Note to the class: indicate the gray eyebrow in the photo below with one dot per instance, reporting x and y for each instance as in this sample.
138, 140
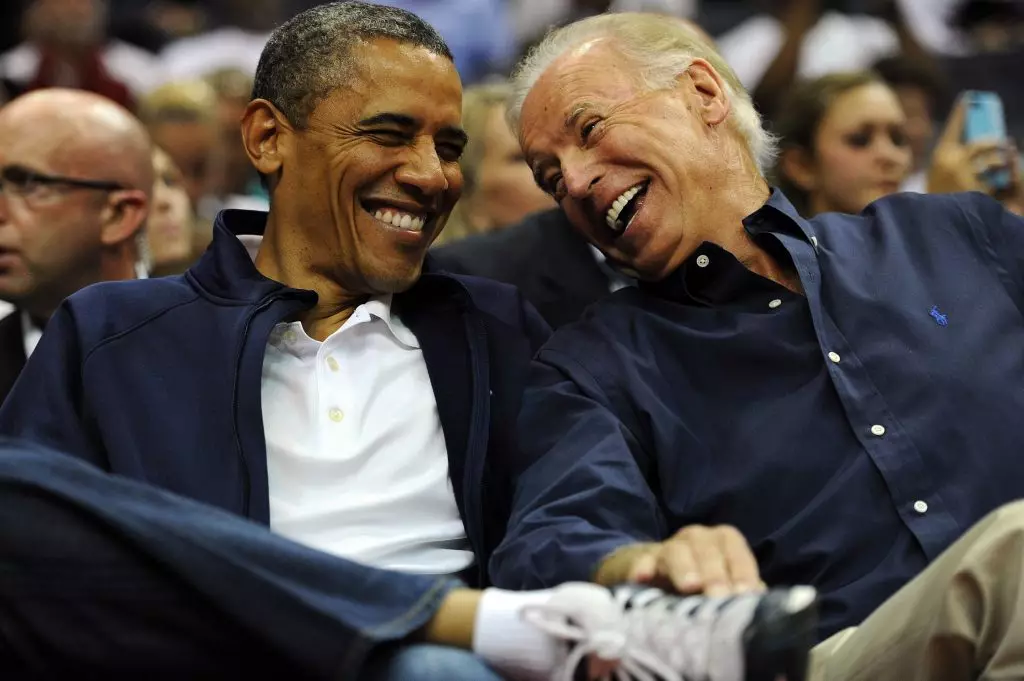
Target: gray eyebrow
575, 113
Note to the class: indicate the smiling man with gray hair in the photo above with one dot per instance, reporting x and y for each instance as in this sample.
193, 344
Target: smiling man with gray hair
833, 402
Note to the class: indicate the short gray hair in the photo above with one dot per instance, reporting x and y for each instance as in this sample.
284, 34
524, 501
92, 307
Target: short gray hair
662, 48
309, 56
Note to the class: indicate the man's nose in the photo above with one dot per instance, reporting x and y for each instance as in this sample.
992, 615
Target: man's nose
580, 177
423, 172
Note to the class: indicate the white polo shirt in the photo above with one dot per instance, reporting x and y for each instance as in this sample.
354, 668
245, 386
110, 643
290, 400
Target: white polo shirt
356, 458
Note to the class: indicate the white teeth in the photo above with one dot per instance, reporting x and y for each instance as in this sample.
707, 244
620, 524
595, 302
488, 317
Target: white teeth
612, 216
407, 221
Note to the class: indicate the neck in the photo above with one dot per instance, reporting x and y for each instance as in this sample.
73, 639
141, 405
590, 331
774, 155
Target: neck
734, 208
286, 261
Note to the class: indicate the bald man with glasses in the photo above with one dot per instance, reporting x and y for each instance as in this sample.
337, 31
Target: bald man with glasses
75, 178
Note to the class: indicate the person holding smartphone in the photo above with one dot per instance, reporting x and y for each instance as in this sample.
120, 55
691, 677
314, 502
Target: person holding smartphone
976, 155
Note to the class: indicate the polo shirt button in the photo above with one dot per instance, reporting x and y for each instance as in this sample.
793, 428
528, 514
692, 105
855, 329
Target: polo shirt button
703, 260
335, 414
834, 356
878, 430
775, 303
921, 506
814, 242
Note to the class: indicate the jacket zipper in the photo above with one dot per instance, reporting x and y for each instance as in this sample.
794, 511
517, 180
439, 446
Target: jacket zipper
479, 425
246, 471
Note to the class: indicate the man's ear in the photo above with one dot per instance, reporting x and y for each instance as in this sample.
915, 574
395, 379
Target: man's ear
124, 216
713, 101
797, 165
262, 128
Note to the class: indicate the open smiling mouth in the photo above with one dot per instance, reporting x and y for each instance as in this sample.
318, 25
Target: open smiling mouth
625, 208
399, 218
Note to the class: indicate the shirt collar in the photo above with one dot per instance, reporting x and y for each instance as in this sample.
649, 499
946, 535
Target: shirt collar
713, 275
378, 306
381, 308
30, 333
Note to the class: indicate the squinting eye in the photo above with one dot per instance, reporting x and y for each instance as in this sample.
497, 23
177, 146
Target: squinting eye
450, 152
588, 128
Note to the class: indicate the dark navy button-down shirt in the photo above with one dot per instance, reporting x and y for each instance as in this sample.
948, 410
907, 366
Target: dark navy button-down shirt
851, 433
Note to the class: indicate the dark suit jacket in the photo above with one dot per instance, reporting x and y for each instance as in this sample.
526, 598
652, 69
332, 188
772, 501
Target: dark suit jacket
543, 256
12, 352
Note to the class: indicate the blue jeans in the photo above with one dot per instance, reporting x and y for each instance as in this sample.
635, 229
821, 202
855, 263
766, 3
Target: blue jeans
427, 662
104, 577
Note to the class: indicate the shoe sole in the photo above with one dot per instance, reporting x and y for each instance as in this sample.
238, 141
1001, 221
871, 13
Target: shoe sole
780, 637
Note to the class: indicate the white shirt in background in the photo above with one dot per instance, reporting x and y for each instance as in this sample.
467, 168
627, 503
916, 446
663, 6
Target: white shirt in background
223, 48
356, 459
136, 68
838, 42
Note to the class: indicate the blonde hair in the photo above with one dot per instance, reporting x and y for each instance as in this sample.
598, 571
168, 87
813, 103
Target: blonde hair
478, 105
187, 100
661, 49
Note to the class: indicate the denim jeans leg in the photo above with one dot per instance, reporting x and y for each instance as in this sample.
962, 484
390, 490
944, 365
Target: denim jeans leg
426, 662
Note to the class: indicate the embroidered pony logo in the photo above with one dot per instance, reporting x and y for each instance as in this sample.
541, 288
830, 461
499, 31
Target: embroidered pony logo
940, 319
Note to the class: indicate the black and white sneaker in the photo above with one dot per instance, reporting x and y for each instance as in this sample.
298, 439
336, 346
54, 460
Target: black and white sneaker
660, 637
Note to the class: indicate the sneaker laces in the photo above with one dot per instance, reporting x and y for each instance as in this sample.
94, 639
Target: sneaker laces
655, 637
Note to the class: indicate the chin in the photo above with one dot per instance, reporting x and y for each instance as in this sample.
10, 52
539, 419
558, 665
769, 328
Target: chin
395, 282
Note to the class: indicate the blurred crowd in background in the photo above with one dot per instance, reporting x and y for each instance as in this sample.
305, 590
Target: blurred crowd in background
857, 89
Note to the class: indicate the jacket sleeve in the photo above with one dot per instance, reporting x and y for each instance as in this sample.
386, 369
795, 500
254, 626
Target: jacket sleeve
579, 491
47, 404
538, 331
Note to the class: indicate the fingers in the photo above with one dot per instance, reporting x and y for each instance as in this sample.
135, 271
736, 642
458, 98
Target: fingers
953, 133
740, 561
678, 565
644, 568
711, 562
994, 148
715, 560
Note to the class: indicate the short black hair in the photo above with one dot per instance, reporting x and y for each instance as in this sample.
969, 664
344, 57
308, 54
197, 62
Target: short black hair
309, 56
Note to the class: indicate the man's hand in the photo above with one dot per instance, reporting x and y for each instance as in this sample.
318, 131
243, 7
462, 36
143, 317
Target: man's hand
714, 560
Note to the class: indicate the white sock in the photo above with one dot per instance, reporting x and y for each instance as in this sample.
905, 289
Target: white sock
509, 644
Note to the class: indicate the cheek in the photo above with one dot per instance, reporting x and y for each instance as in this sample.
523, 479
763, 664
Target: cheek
182, 207
841, 167
453, 175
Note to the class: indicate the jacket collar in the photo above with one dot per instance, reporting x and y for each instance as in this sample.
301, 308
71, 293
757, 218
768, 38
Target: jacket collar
226, 270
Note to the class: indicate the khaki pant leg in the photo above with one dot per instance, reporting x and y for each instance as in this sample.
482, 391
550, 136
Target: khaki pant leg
962, 618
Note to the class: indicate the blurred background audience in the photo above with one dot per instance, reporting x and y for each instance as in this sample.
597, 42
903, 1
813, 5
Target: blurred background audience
856, 90
172, 240
76, 174
498, 189
843, 143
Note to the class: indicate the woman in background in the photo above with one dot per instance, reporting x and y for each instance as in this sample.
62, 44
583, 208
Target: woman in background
172, 240
498, 188
843, 143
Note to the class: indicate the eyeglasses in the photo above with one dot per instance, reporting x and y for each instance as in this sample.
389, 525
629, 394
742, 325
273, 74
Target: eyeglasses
29, 183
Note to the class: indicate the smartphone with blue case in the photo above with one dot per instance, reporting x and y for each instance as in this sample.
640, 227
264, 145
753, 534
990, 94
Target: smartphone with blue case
983, 120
